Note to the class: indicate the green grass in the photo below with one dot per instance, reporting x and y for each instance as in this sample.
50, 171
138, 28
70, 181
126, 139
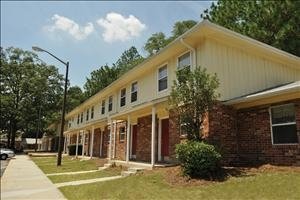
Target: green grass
48, 165
267, 185
75, 177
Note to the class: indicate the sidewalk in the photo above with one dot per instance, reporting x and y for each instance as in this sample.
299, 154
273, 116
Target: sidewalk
22, 179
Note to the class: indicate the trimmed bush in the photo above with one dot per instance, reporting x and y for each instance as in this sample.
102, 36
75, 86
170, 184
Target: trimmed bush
198, 159
72, 149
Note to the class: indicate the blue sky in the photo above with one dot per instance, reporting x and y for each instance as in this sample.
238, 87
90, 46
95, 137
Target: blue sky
89, 34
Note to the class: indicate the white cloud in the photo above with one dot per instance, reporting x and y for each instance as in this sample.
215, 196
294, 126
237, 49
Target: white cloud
65, 24
119, 28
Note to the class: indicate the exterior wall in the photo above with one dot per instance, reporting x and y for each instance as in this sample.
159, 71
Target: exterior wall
255, 143
105, 143
143, 148
174, 134
96, 144
240, 71
120, 145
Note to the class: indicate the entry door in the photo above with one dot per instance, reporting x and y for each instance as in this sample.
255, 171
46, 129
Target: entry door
165, 137
134, 139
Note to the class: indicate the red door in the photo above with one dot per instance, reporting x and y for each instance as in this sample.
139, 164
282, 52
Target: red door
165, 137
134, 139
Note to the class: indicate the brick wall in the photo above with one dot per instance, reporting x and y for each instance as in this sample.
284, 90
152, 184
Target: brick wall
255, 143
120, 144
105, 143
96, 145
143, 147
174, 134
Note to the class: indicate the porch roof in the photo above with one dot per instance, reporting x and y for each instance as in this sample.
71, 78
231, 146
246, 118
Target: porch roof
278, 93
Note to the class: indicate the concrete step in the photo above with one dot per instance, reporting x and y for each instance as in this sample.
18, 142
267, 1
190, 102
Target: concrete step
135, 169
107, 165
127, 173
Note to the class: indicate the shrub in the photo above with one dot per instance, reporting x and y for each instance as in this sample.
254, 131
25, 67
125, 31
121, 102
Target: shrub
72, 149
198, 159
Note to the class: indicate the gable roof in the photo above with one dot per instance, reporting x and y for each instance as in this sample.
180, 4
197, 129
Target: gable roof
203, 29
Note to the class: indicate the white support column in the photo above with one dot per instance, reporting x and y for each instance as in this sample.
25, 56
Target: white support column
153, 136
77, 139
68, 142
128, 139
83, 143
92, 142
110, 140
65, 144
159, 140
115, 133
101, 143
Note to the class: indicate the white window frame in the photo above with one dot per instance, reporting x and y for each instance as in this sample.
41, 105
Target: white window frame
92, 112
102, 107
177, 59
161, 66
81, 117
112, 103
87, 116
282, 124
123, 96
123, 133
137, 89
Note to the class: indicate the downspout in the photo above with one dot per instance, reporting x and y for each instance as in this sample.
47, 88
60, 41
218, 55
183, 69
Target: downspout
194, 55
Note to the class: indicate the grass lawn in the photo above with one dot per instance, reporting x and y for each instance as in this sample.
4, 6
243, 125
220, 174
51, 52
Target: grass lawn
48, 164
74, 177
154, 185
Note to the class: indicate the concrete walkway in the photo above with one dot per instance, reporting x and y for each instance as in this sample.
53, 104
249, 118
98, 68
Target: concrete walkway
79, 172
24, 180
88, 181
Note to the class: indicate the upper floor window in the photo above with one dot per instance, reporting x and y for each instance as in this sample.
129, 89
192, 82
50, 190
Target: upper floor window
92, 112
122, 133
184, 61
283, 124
123, 97
78, 117
103, 107
110, 103
81, 118
163, 78
87, 114
134, 92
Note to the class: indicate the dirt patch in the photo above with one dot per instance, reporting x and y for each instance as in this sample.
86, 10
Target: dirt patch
174, 176
100, 162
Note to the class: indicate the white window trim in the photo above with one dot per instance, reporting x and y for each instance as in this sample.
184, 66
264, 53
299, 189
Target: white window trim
271, 125
112, 103
103, 106
182, 55
137, 92
157, 82
124, 133
123, 97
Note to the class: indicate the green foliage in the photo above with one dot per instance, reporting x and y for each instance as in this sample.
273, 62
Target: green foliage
72, 149
75, 97
198, 159
27, 87
104, 76
272, 22
157, 41
192, 95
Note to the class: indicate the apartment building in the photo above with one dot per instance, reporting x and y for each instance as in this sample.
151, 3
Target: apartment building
256, 120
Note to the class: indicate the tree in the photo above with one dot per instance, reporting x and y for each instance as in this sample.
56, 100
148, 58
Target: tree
27, 86
129, 59
181, 27
75, 97
272, 22
99, 79
157, 41
191, 97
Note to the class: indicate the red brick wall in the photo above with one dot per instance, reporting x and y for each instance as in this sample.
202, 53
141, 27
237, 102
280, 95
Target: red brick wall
255, 143
174, 134
96, 145
143, 148
105, 143
120, 145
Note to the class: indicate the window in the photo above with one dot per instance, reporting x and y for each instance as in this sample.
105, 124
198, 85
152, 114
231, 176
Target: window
81, 118
87, 114
184, 61
110, 103
162, 78
78, 117
92, 112
134, 92
122, 133
283, 124
123, 97
103, 107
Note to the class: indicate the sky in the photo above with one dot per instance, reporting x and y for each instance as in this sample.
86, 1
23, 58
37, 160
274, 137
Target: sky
89, 34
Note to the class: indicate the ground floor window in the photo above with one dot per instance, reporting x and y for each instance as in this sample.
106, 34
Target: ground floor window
122, 133
283, 124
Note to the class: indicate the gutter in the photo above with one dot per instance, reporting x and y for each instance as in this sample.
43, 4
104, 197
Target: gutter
194, 60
